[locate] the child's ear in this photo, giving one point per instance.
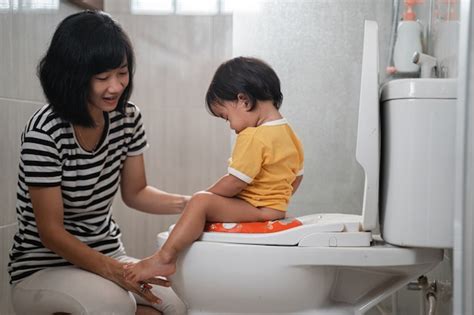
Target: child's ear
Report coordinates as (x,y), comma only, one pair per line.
(244,99)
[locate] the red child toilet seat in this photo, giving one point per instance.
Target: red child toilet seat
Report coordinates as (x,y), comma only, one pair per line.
(253,227)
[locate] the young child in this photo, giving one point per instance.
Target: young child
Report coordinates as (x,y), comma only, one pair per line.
(265,169)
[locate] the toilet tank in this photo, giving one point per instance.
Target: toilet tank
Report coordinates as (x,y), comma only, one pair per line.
(417,174)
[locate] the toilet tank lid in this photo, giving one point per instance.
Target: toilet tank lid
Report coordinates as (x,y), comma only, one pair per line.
(419,89)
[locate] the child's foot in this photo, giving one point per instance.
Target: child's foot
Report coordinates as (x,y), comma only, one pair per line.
(149,267)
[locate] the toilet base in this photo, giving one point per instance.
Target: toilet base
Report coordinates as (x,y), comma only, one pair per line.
(219,278)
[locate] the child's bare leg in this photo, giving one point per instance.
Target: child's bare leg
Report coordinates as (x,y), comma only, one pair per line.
(203,206)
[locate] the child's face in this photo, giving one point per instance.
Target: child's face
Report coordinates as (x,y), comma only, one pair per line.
(236,113)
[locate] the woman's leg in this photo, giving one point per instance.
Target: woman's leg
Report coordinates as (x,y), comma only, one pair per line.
(146,310)
(70,290)
(203,207)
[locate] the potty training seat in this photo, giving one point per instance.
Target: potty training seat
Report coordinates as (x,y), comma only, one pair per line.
(316,230)
(253,227)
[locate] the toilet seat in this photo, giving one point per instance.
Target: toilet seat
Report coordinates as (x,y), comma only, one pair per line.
(253,227)
(379,255)
(317,230)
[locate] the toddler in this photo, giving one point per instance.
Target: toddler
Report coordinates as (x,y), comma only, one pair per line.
(265,169)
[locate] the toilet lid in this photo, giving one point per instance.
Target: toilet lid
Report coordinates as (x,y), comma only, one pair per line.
(329,229)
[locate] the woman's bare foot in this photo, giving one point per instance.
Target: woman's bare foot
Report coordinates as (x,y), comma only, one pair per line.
(149,267)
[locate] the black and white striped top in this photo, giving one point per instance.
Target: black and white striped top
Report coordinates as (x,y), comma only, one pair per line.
(51,156)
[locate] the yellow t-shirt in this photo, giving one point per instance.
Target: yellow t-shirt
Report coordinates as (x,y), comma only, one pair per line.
(268,158)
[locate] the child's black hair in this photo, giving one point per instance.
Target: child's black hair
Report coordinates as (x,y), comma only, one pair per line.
(250,76)
(83,45)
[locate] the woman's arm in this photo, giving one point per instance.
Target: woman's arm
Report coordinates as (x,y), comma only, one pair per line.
(227,186)
(49,214)
(138,195)
(296,183)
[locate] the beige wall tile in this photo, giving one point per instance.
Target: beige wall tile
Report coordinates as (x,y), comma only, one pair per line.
(117,6)
(319,67)
(6,53)
(14,116)
(189,148)
(6,237)
(28,38)
(176,57)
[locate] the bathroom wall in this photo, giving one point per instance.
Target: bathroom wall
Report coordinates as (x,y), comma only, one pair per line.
(24,34)
(176,57)
(445,36)
(440,24)
(316,48)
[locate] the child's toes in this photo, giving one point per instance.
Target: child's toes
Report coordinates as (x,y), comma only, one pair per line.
(134,277)
(128,275)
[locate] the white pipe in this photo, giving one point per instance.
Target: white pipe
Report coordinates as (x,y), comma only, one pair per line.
(422,302)
(395,303)
(463,237)
(382,310)
(431,304)
(393,32)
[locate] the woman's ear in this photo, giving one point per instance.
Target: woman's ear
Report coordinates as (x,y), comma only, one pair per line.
(243,99)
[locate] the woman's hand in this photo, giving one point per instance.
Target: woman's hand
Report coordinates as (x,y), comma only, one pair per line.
(186,199)
(142,288)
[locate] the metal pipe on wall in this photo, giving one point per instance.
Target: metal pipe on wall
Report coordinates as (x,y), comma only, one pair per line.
(464,202)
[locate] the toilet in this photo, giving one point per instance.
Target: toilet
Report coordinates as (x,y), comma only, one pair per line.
(334,263)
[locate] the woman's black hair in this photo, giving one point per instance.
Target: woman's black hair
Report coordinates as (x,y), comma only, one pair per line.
(83,45)
(250,76)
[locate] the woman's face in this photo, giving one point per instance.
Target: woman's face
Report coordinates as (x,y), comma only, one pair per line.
(107,87)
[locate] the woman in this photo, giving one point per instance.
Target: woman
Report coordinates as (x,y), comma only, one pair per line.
(76,151)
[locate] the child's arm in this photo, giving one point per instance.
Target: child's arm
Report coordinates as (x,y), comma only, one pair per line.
(296,183)
(227,186)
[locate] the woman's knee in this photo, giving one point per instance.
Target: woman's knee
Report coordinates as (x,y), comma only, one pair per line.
(119,302)
(54,301)
(147,310)
(70,290)
(174,306)
(171,304)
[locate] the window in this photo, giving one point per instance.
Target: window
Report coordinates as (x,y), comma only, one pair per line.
(29,5)
(152,6)
(193,7)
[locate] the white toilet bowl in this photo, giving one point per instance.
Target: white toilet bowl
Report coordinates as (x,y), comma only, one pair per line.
(332,263)
(231,278)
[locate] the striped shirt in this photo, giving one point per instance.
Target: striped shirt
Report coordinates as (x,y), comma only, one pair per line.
(51,156)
